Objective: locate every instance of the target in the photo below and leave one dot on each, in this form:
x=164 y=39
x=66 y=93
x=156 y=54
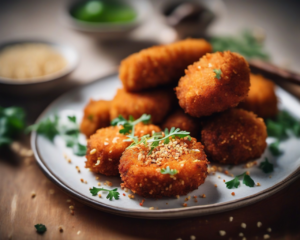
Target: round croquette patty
x=201 y=93
x=234 y=136
x=157 y=103
x=109 y=145
x=261 y=99
x=183 y=121
x=96 y=115
x=141 y=173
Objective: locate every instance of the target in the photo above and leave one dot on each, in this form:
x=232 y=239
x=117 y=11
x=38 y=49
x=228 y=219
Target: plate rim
x=182 y=212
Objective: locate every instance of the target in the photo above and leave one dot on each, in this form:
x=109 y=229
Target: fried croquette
x=217 y=82
x=261 y=99
x=183 y=121
x=96 y=115
x=161 y=65
x=143 y=173
x=109 y=146
x=157 y=103
x=234 y=136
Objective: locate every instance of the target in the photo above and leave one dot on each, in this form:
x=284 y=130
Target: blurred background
x=267 y=29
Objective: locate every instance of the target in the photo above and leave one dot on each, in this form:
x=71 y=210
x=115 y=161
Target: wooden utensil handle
x=273 y=72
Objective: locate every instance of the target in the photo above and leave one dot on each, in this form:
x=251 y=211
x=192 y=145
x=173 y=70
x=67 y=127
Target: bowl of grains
x=35 y=65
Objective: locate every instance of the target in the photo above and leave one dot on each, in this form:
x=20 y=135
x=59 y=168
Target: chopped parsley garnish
x=234 y=183
x=246 y=44
x=218 y=73
x=266 y=166
x=128 y=125
x=274 y=148
x=12 y=122
x=90 y=117
x=157 y=137
x=167 y=170
x=51 y=126
x=40 y=228
x=111 y=193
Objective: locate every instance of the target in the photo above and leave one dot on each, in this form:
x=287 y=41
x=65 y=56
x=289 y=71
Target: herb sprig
x=266 y=166
x=234 y=183
x=274 y=148
x=167 y=170
x=218 y=73
x=111 y=193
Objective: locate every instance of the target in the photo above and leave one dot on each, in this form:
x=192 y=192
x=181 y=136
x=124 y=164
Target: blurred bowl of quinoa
x=35 y=65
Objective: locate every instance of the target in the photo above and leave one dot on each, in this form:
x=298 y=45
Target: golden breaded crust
x=179 y=119
x=109 y=146
x=200 y=93
x=234 y=136
x=141 y=172
x=96 y=115
x=261 y=98
x=160 y=65
x=157 y=103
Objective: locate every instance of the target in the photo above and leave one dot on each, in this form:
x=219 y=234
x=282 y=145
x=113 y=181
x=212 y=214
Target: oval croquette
x=96 y=115
x=201 y=93
x=109 y=145
x=234 y=136
x=261 y=98
x=141 y=173
x=183 y=121
x=160 y=65
x=157 y=103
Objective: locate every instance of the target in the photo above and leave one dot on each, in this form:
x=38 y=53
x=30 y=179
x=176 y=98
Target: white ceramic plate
x=50 y=157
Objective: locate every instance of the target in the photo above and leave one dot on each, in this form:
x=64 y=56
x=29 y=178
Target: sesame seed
x=222 y=233
x=105 y=143
x=93 y=151
x=98 y=162
x=243 y=225
x=259 y=224
x=269 y=229
x=266 y=236
x=78 y=232
x=230 y=219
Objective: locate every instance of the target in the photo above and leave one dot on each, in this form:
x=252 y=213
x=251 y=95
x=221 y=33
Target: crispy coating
x=96 y=115
x=141 y=172
x=234 y=136
x=179 y=119
x=157 y=103
x=200 y=93
x=109 y=146
x=261 y=99
x=160 y=65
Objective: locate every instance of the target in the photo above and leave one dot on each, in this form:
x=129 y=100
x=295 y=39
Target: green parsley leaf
x=72 y=118
x=275 y=129
x=111 y=193
x=266 y=166
x=167 y=170
x=274 y=148
x=218 y=73
x=12 y=122
x=40 y=228
x=118 y=121
x=247 y=180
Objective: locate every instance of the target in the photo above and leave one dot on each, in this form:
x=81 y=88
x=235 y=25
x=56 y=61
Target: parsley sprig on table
x=51 y=127
x=157 y=137
x=128 y=125
x=234 y=183
x=111 y=193
x=266 y=166
x=12 y=122
x=40 y=228
x=167 y=170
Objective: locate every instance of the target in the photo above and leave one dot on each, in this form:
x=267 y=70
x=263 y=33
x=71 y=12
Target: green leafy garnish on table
x=246 y=44
x=218 y=73
x=167 y=170
x=12 y=122
x=274 y=148
x=234 y=183
x=51 y=127
x=128 y=125
x=266 y=166
x=40 y=228
x=111 y=193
